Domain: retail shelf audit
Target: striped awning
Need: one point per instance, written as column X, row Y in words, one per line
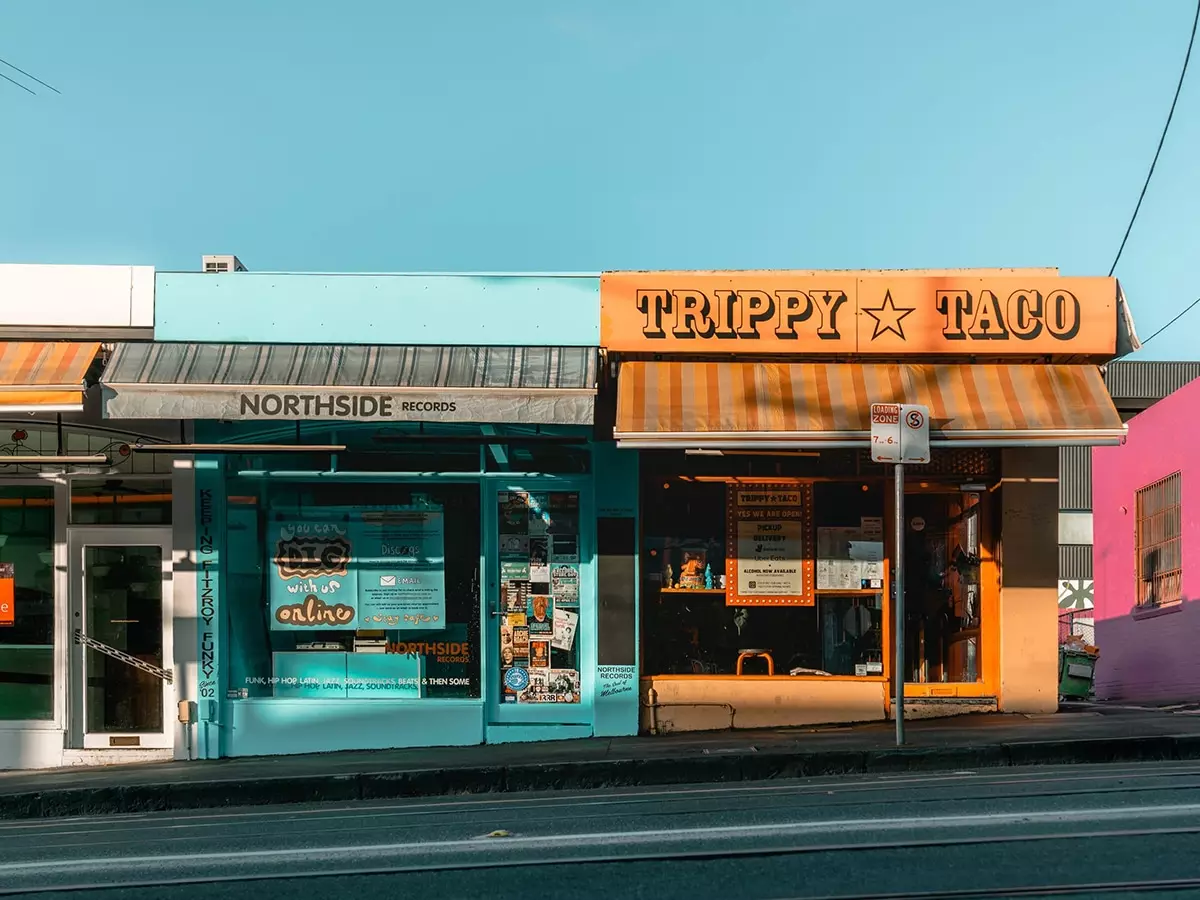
column 44, row 376
column 726, row 405
column 539, row 385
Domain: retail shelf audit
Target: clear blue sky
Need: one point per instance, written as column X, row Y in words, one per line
column 557, row 135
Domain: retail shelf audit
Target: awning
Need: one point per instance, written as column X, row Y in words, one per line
column 366, row 383
column 686, row 405
column 44, row 376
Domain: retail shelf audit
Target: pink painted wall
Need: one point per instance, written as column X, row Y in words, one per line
column 1151, row 655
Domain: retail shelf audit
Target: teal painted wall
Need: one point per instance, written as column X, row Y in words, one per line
column 617, row 696
column 294, row 308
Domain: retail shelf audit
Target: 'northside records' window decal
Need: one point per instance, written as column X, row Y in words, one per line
column 539, row 596
column 383, row 569
column 769, row 560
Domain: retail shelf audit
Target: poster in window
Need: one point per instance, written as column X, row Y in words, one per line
column 769, row 559
column 314, row 584
column 541, row 614
column 564, row 585
column 402, row 569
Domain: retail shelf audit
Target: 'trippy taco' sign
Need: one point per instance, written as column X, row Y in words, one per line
column 994, row 312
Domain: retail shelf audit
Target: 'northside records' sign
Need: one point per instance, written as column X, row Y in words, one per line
column 994, row 313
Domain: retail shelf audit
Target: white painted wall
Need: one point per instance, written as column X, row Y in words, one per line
column 76, row 297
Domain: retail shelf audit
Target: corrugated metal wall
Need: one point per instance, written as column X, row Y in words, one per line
column 1134, row 380
column 1074, row 561
column 1075, row 478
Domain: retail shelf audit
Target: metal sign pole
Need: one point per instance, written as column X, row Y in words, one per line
column 898, row 605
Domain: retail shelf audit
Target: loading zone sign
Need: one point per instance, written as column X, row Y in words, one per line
column 899, row 433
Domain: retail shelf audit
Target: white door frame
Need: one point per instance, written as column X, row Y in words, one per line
column 78, row 538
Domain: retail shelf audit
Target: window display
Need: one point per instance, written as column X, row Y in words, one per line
column 539, row 596
column 355, row 591
column 784, row 605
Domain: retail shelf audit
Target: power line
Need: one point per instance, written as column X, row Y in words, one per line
column 1161, row 140
column 18, row 84
column 1186, row 310
column 27, row 75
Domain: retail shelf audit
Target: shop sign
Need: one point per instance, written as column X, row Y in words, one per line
column 380, row 570
column 316, row 405
column 769, row 560
column 836, row 313
column 8, row 603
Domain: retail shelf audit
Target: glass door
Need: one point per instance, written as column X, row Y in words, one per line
column 122, row 690
column 945, row 614
column 541, row 613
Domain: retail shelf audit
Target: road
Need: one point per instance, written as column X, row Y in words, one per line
column 968, row 834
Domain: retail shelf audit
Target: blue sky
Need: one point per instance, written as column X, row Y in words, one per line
column 549, row 136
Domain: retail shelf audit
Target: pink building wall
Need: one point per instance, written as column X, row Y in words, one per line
column 1147, row 655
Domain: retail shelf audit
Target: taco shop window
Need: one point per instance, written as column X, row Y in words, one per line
column 344, row 591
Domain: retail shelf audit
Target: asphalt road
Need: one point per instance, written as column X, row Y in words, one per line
column 992, row 833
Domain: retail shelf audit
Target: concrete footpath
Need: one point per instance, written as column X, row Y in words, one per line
column 1080, row 733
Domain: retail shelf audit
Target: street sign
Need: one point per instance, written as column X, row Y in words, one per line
column 899, row 433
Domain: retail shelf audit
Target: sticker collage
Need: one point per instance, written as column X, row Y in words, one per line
column 539, row 597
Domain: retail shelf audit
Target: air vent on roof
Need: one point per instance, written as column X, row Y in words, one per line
column 222, row 263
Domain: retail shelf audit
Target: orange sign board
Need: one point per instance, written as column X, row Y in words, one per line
column 8, row 607
column 838, row 313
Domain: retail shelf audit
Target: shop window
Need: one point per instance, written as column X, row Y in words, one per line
column 543, row 457
column 26, row 602
column 691, row 628
column 1159, row 544
column 120, row 501
column 353, row 591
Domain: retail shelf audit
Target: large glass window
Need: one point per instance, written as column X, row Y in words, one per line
column 360, row 591
column 691, row 628
column 26, row 602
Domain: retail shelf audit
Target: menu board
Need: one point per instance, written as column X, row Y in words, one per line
column 769, row 560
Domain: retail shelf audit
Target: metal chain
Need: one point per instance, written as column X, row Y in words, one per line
column 163, row 674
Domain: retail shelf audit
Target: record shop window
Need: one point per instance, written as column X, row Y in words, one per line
column 364, row 591
column 745, row 578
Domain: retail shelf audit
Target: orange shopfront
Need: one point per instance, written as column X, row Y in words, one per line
column 766, row 550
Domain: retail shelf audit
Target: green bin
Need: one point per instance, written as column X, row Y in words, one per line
column 1076, row 669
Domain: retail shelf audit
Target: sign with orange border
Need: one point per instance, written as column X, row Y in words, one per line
column 769, row 558
column 972, row 313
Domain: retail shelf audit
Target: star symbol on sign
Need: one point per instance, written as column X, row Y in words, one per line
column 888, row 317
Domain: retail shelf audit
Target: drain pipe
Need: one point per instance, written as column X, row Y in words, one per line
column 651, row 703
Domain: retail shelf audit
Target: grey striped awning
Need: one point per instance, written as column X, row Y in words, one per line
column 537, row 385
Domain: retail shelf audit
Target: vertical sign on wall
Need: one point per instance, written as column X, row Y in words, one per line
column 769, row 559
column 210, row 523
column 8, row 602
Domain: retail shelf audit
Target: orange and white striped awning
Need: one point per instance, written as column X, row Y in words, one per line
column 726, row 405
column 44, row 376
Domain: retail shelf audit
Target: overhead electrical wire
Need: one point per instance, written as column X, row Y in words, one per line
column 5, row 62
column 1162, row 139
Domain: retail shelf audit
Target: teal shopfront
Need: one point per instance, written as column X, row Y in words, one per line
column 397, row 545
